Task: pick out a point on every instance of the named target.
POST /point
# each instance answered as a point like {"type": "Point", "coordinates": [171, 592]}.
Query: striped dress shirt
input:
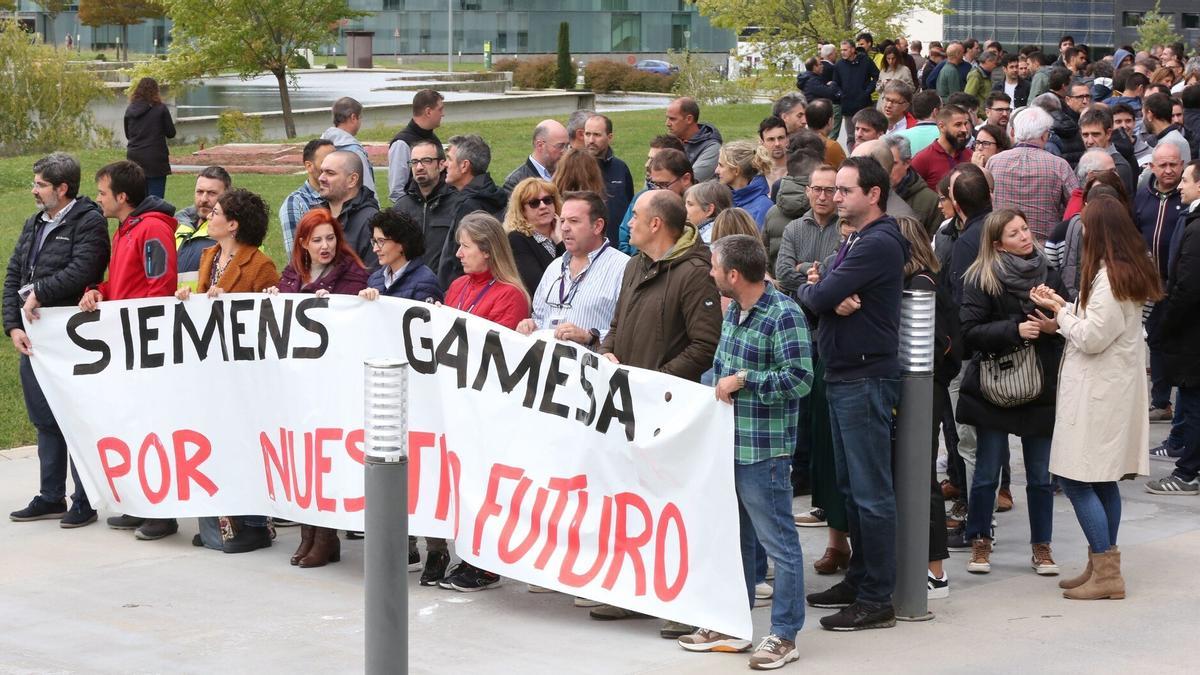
{"type": "Point", "coordinates": [589, 299]}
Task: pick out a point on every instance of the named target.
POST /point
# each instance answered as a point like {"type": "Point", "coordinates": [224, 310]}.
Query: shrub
{"type": "Point", "coordinates": [536, 73]}
{"type": "Point", "coordinates": [640, 80]}
{"type": "Point", "coordinates": [100, 57]}
{"type": "Point", "coordinates": [330, 66]}
{"type": "Point", "coordinates": [235, 126]}
{"type": "Point", "coordinates": [564, 76]}
{"type": "Point", "coordinates": [298, 62]}
{"type": "Point", "coordinates": [603, 76]}
{"type": "Point", "coordinates": [507, 64]}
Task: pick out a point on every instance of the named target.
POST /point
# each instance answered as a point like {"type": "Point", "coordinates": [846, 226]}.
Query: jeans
{"type": "Point", "coordinates": [1187, 414]}
{"type": "Point", "coordinates": [992, 451]}
{"type": "Point", "coordinates": [157, 186]}
{"type": "Point", "coordinates": [52, 447]}
{"type": "Point", "coordinates": [966, 436]}
{"type": "Point", "coordinates": [861, 414]}
{"type": "Point", "coordinates": [1098, 509]}
{"type": "Point", "coordinates": [764, 492]}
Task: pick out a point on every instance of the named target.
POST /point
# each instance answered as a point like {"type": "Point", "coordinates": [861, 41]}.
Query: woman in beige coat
{"type": "Point", "coordinates": [1100, 434]}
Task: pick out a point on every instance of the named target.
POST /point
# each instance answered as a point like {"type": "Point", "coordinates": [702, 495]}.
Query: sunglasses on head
{"type": "Point", "coordinates": [544, 201]}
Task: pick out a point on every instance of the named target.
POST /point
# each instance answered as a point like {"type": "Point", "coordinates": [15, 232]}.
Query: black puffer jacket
{"type": "Point", "coordinates": [1180, 327]}
{"type": "Point", "coordinates": [72, 258]}
{"type": "Point", "coordinates": [816, 86]}
{"type": "Point", "coordinates": [1066, 136]}
{"type": "Point", "coordinates": [436, 216]}
{"type": "Point", "coordinates": [354, 217]}
{"type": "Point", "coordinates": [147, 127]}
{"type": "Point", "coordinates": [481, 194]}
{"type": "Point", "coordinates": [989, 326]}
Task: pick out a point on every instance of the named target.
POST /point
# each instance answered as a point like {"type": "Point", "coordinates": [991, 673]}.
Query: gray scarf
{"type": "Point", "coordinates": [1021, 275]}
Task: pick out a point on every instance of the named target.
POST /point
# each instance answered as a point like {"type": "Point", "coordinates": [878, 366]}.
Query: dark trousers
{"type": "Point", "coordinates": [52, 447]}
{"type": "Point", "coordinates": [937, 503]}
{"type": "Point", "coordinates": [157, 186]}
{"type": "Point", "coordinates": [1187, 411]}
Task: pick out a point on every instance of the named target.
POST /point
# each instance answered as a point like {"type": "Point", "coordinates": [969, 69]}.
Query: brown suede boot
{"type": "Point", "coordinates": [326, 548]}
{"type": "Point", "coordinates": [1078, 581]}
{"type": "Point", "coordinates": [832, 561]}
{"type": "Point", "coordinates": [306, 542]}
{"type": "Point", "coordinates": [1106, 581]}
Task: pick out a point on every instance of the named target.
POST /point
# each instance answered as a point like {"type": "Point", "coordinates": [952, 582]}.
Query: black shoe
{"type": "Point", "coordinates": [435, 568]}
{"type": "Point", "coordinates": [956, 539]}
{"type": "Point", "coordinates": [414, 560]}
{"type": "Point", "coordinates": [197, 541]}
{"type": "Point", "coordinates": [860, 616]}
{"type": "Point", "coordinates": [124, 522]}
{"type": "Point", "coordinates": [80, 515]}
{"type": "Point", "coordinates": [840, 595]}
{"type": "Point", "coordinates": [351, 534]}
{"type": "Point", "coordinates": [157, 528]}
{"type": "Point", "coordinates": [247, 539]}
{"type": "Point", "coordinates": [40, 509]}
{"type": "Point", "coordinates": [468, 578]}
{"type": "Point", "coordinates": [284, 522]}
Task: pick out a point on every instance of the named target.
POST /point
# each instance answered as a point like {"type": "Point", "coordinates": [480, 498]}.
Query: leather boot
{"type": "Point", "coordinates": [326, 548]}
{"type": "Point", "coordinates": [832, 561]}
{"type": "Point", "coordinates": [1106, 581]}
{"type": "Point", "coordinates": [306, 542]}
{"type": "Point", "coordinates": [1082, 578]}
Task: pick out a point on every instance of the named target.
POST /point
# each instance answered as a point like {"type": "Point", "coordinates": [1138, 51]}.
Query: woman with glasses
{"type": "Point", "coordinates": [533, 238]}
{"type": "Point", "coordinates": [989, 140]}
{"type": "Point", "coordinates": [399, 244]}
{"type": "Point", "coordinates": [704, 201]}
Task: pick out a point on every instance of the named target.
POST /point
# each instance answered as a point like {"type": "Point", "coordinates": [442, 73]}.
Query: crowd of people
{"type": "Point", "coordinates": [1049, 202]}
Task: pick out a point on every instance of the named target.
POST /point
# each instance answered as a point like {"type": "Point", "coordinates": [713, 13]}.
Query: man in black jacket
{"type": "Point", "coordinates": [62, 249]}
{"type": "Point", "coordinates": [618, 181]}
{"type": "Point", "coordinates": [428, 108]}
{"type": "Point", "coordinates": [550, 141]}
{"type": "Point", "coordinates": [1012, 83]}
{"type": "Point", "coordinates": [432, 203]}
{"type": "Point", "coordinates": [351, 202]}
{"type": "Point", "coordinates": [467, 160]}
{"type": "Point", "coordinates": [855, 74]}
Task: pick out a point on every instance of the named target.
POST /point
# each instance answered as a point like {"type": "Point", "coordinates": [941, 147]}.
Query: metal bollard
{"type": "Point", "coordinates": [386, 517]}
{"type": "Point", "coordinates": [913, 456]}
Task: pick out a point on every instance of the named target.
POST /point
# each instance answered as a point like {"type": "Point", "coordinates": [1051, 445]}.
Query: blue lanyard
{"type": "Point", "coordinates": [478, 297]}
{"type": "Point", "coordinates": [563, 294]}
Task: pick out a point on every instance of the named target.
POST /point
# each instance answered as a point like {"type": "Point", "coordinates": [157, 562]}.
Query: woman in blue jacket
{"type": "Point", "coordinates": [398, 241]}
{"type": "Point", "coordinates": [742, 166]}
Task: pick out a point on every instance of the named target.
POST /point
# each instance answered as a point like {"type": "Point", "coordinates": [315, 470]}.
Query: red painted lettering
{"type": "Point", "coordinates": [303, 499]}
{"type": "Point", "coordinates": [624, 545]}
{"type": "Point", "coordinates": [512, 555]}
{"type": "Point", "coordinates": [354, 443]}
{"type": "Point", "coordinates": [566, 573]}
{"type": "Point", "coordinates": [563, 486]}
{"type": "Point", "coordinates": [164, 469]}
{"type": "Point", "coordinates": [187, 469]}
{"type": "Point", "coordinates": [490, 506]}
{"type": "Point", "coordinates": [417, 442]}
{"type": "Point", "coordinates": [323, 465]}
{"type": "Point", "coordinates": [111, 472]}
{"type": "Point", "coordinates": [668, 592]}
{"type": "Point", "coordinates": [278, 459]}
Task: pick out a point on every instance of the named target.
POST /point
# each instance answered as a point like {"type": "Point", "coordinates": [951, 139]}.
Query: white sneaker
{"type": "Point", "coordinates": [943, 463]}
{"type": "Point", "coordinates": [762, 594]}
{"type": "Point", "coordinates": [939, 588]}
{"type": "Point", "coordinates": [584, 602]}
{"type": "Point", "coordinates": [539, 589]}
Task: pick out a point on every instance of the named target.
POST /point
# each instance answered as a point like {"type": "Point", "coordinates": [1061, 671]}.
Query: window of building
{"type": "Point", "coordinates": [393, 4]}
{"type": "Point", "coordinates": [614, 5]}
{"type": "Point", "coordinates": [626, 32]}
{"type": "Point", "coordinates": [681, 27]}
{"type": "Point", "coordinates": [1191, 20]}
{"type": "Point", "coordinates": [522, 40]}
{"type": "Point", "coordinates": [1131, 19]}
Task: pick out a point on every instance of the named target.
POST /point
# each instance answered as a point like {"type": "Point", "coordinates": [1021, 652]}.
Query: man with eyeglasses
{"type": "Point", "coordinates": [1013, 84]}
{"type": "Point", "coordinates": [998, 107]}
{"type": "Point", "coordinates": [1096, 128]}
{"type": "Point", "coordinates": [351, 202]}
{"type": "Point", "coordinates": [658, 144]}
{"type": "Point", "coordinates": [895, 103]}
{"type": "Point", "coordinates": [550, 141]}
{"type": "Point", "coordinates": [668, 170]}
{"type": "Point", "coordinates": [433, 204]}
{"type": "Point", "coordinates": [61, 251]}
{"type": "Point", "coordinates": [813, 236]}
{"type": "Point", "coordinates": [577, 295]}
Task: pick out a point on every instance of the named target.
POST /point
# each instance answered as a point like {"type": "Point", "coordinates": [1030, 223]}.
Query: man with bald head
{"type": "Point", "coordinates": [342, 192]}
{"type": "Point", "coordinates": [878, 150]}
{"type": "Point", "coordinates": [550, 141]}
{"type": "Point", "coordinates": [701, 141]}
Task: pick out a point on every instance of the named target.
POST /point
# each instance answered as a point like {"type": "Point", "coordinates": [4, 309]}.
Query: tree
{"type": "Point", "coordinates": [797, 27]}
{"type": "Point", "coordinates": [52, 8]}
{"type": "Point", "coordinates": [123, 13]}
{"type": "Point", "coordinates": [1155, 30]}
{"type": "Point", "coordinates": [46, 102]}
{"type": "Point", "coordinates": [565, 77]}
{"type": "Point", "coordinates": [249, 37]}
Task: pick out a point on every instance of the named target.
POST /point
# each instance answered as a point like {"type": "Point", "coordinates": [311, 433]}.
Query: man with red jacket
{"type": "Point", "coordinates": [141, 265]}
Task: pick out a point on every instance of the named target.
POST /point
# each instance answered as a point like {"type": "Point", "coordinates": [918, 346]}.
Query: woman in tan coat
{"type": "Point", "coordinates": [1100, 435]}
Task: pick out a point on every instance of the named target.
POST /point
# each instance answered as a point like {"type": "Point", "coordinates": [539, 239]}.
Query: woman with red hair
{"type": "Point", "coordinates": [322, 263]}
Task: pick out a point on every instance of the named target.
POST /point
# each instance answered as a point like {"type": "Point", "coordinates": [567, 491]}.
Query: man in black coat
{"type": "Point", "coordinates": [618, 181]}
{"type": "Point", "coordinates": [855, 74]}
{"type": "Point", "coordinates": [432, 203]}
{"type": "Point", "coordinates": [61, 251]}
{"type": "Point", "coordinates": [467, 160]}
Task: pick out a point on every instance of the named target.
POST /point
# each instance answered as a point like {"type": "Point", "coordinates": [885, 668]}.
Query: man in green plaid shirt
{"type": "Point", "coordinates": [764, 367]}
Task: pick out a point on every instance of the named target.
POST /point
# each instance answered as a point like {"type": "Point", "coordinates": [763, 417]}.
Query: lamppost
{"type": "Point", "coordinates": [449, 36]}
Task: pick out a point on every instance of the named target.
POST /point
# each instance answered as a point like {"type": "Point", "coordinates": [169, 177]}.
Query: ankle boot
{"type": "Point", "coordinates": [1082, 578]}
{"type": "Point", "coordinates": [1106, 581]}
{"type": "Point", "coordinates": [326, 548]}
{"type": "Point", "coordinates": [306, 542]}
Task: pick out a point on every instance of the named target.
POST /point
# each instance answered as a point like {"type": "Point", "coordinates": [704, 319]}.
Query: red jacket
{"type": "Point", "coordinates": [142, 262]}
{"type": "Point", "coordinates": [502, 303]}
{"type": "Point", "coordinates": [934, 162]}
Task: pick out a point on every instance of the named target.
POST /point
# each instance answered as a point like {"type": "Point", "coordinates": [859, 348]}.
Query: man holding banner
{"type": "Point", "coordinates": [142, 265]}
{"type": "Point", "coordinates": [764, 368]}
{"type": "Point", "coordinates": [60, 252]}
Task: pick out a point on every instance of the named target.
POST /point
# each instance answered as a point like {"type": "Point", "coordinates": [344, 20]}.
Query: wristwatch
{"type": "Point", "coordinates": [741, 378]}
{"type": "Point", "coordinates": [595, 339]}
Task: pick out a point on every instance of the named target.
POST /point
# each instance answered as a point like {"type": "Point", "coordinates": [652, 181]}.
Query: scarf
{"type": "Point", "coordinates": [1020, 275]}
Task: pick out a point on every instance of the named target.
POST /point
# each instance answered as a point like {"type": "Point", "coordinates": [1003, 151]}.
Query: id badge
{"type": "Point", "coordinates": [25, 291]}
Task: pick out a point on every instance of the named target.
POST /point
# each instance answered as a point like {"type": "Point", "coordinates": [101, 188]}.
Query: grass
{"type": "Point", "coordinates": [509, 140]}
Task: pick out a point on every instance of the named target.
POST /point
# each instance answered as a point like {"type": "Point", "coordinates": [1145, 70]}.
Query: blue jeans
{"type": "Point", "coordinates": [1187, 424]}
{"type": "Point", "coordinates": [861, 413]}
{"type": "Point", "coordinates": [764, 491]}
{"type": "Point", "coordinates": [52, 447]}
{"type": "Point", "coordinates": [157, 186]}
{"type": "Point", "coordinates": [1098, 509]}
{"type": "Point", "coordinates": [990, 453]}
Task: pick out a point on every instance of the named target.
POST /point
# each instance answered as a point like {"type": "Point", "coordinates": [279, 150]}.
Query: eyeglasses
{"type": "Point", "coordinates": [984, 144]}
{"type": "Point", "coordinates": [1001, 110]}
{"type": "Point", "coordinates": [535, 202]}
{"type": "Point", "coordinates": [942, 199]}
{"type": "Point", "coordinates": [659, 185]}
{"type": "Point", "coordinates": [559, 146]}
{"type": "Point", "coordinates": [423, 161]}
{"type": "Point", "coordinates": [893, 101]}
{"type": "Point", "coordinates": [1078, 97]}
{"type": "Point", "coordinates": [843, 190]}
{"type": "Point", "coordinates": [40, 186]}
{"type": "Point", "coordinates": [378, 243]}
{"type": "Point", "coordinates": [826, 192]}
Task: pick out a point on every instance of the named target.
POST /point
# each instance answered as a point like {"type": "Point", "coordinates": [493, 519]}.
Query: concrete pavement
{"type": "Point", "coordinates": [98, 601]}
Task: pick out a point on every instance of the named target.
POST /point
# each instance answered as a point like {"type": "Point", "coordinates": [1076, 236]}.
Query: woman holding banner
{"type": "Point", "coordinates": [322, 263]}
{"type": "Point", "coordinates": [489, 288]}
{"type": "Point", "coordinates": [238, 224]}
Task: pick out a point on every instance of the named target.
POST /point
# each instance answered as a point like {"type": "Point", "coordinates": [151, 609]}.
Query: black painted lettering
{"type": "Point", "coordinates": [96, 346]}
{"type": "Point", "coordinates": [127, 334]}
{"type": "Point", "coordinates": [589, 360]}
{"type": "Point", "coordinates": [423, 366]}
{"type": "Point", "coordinates": [237, 328]}
{"type": "Point", "coordinates": [527, 369]}
{"type": "Point", "coordinates": [149, 334]}
{"type": "Point", "coordinates": [277, 331]}
{"type": "Point", "coordinates": [315, 327]}
{"type": "Point", "coordinates": [452, 351]}
{"type": "Point", "coordinates": [618, 386]}
{"type": "Point", "coordinates": [215, 326]}
{"type": "Point", "coordinates": [555, 377]}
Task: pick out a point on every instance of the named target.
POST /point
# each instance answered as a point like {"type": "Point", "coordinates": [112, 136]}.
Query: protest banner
{"type": "Point", "coordinates": [543, 461]}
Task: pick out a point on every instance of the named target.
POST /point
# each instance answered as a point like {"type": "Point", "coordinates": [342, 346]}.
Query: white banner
{"type": "Point", "coordinates": [543, 461]}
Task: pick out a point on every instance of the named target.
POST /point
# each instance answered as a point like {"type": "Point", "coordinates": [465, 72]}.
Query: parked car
{"type": "Point", "coordinates": [658, 67]}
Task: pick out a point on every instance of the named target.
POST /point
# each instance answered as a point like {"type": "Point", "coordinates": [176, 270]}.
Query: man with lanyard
{"type": "Point", "coordinates": [563, 303]}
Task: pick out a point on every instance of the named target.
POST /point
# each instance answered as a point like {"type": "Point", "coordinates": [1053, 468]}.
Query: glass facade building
{"type": "Point", "coordinates": [1033, 22]}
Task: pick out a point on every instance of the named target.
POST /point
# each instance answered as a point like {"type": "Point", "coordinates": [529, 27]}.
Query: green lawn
{"type": "Point", "coordinates": [509, 139]}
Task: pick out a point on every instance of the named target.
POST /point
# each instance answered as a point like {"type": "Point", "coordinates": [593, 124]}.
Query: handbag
{"type": "Point", "coordinates": [1012, 379]}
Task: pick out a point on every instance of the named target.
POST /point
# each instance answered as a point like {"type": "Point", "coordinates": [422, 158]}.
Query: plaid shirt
{"type": "Point", "coordinates": [1034, 181]}
{"type": "Point", "coordinates": [773, 347]}
{"type": "Point", "coordinates": [293, 209]}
